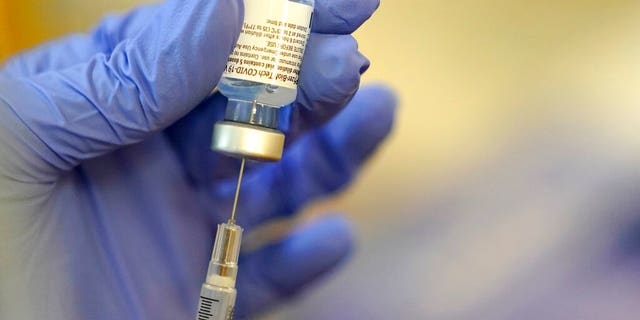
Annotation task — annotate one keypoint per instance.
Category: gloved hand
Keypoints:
(109, 194)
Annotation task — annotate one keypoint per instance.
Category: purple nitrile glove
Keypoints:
(109, 194)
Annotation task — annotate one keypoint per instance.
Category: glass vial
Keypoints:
(261, 76)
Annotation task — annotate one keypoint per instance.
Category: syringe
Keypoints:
(218, 293)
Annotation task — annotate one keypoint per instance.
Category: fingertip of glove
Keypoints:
(365, 66)
(380, 102)
(311, 251)
(334, 58)
(329, 236)
(381, 93)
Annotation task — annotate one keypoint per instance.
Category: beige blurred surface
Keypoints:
(472, 74)
(473, 77)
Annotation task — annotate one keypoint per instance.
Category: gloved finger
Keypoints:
(275, 273)
(317, 165)
(78, 48)
(331, 76)
(144, 85)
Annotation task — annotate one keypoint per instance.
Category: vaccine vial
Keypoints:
(261, 76)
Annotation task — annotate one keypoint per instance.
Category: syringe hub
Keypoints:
(223, 267)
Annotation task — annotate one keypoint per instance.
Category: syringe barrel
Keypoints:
(216, 303)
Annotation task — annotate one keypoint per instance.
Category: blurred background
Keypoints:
(510, 188)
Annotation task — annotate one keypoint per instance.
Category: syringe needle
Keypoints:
(235, 200)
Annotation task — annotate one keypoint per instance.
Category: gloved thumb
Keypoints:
(148, 81)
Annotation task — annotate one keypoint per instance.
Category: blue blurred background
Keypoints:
(510, 188)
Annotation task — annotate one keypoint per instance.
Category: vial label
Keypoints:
(271, 43)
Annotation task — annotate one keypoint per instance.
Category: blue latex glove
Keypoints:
(109, 194)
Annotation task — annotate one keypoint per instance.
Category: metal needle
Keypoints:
(235, 200)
